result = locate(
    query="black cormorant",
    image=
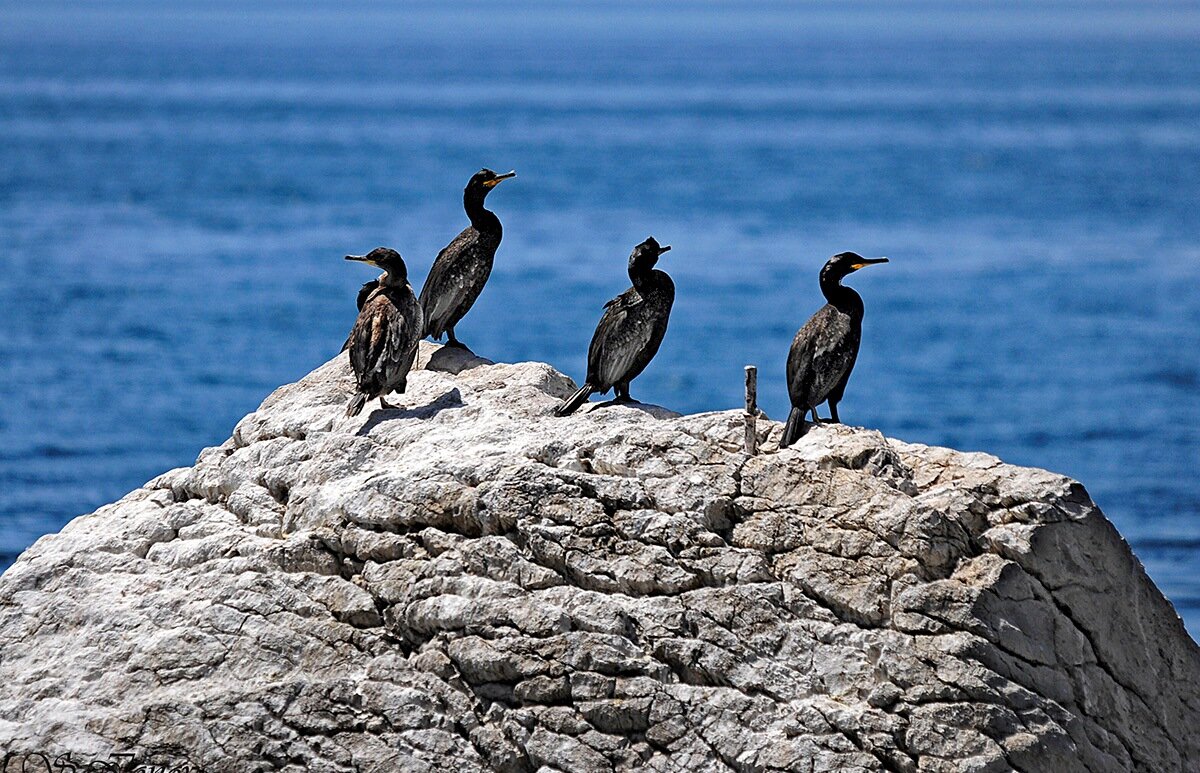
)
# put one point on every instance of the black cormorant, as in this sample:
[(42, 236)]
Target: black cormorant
[(824, 350), (462, 268), (630, 331), (383, 343)]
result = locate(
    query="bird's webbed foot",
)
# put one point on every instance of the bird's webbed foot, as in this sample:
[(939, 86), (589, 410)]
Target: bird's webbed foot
[(386, 405), (451, 340), (623, 397)]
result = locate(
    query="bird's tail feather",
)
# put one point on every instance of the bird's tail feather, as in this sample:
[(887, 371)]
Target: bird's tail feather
[(794, 429), (572, 403), (355, 406), (429, 325)]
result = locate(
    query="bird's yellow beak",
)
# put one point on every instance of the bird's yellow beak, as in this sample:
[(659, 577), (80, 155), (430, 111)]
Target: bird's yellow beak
[(867, 262), (499, 179)]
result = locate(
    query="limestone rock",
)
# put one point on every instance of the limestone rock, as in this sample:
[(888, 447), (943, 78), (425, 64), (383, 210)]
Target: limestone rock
[(470, 583)]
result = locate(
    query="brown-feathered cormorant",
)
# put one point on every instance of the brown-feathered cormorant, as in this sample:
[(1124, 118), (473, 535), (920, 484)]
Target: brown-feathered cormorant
[(630, 331), (462, 268), (383, 343), (824, 350)]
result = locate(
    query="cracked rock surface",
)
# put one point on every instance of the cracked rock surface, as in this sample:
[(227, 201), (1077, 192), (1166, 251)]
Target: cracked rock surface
[(469, 583)]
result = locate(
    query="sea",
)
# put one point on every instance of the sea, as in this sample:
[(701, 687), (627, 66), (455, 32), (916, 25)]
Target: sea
[(179, 183)]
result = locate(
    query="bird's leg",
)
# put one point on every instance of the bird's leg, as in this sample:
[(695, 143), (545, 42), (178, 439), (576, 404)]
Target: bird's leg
[(387, 406), (816, 418), (623, 394), (833, 412), (452, 341)]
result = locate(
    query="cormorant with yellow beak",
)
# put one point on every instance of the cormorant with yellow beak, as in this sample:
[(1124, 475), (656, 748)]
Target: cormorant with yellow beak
[(824, 350), (462, 268)]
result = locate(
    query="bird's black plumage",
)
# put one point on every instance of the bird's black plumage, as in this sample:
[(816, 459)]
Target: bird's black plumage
[(462, 268), (383, 343), (825, 349), (365, 291), (630, 330)]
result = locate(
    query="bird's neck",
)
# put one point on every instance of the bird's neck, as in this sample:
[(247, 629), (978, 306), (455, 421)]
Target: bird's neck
[(644, 279), (841, 297), (393, 278), (482, 219)]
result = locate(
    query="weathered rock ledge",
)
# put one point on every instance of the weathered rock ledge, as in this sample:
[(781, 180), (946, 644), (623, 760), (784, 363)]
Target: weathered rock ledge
[(472, 584)]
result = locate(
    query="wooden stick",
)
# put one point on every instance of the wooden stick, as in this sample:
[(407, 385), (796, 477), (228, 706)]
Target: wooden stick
[(751, 409)]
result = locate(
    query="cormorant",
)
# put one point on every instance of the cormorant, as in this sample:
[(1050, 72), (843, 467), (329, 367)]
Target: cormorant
[(824, 350), (462, 268), (630, 331), (383, 343)]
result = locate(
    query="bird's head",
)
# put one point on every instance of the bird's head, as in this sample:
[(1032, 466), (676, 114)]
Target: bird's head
[(484, 180), (385, 258), (845, 263), (645, 255)]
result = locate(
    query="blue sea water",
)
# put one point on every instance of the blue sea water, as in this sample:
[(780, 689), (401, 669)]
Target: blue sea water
[(179, 184)]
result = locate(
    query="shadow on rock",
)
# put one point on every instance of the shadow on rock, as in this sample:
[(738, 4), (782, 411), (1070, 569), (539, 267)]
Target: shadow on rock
[(453, 360), (448, 401)]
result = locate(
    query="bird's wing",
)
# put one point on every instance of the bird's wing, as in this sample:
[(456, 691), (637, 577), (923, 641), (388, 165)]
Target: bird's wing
[(364, 297), (446, 286), (384, 342), (368, 337), (623, 332), (365, 292), (405, 333), (626, 300), (821, 354)]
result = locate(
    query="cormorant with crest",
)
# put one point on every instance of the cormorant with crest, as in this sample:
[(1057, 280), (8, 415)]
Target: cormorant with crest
[(630, 331), (824, 350)]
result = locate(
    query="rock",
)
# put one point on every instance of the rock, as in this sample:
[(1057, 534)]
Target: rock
[(469, 583)]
